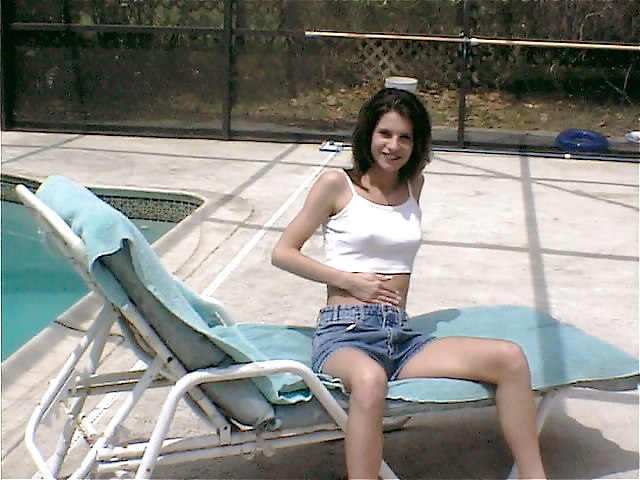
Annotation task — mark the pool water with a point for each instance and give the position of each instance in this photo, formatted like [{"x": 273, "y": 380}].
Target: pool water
[{"x": 37, "y": 285}]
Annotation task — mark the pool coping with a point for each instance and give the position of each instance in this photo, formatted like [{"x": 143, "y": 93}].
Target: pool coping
[{"x": 158, "y": 205}]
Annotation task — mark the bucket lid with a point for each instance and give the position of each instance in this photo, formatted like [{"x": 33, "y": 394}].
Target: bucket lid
[{"x": 409, "y": 84}]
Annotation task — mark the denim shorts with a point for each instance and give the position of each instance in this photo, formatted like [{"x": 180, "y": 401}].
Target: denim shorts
[{"x": 381, "y": 331}]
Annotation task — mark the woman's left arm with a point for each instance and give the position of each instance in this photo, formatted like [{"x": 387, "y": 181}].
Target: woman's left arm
[{"x": 417, "y": 183}]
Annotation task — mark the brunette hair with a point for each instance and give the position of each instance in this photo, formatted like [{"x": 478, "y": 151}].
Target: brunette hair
[{"x": 409, "y": 106}]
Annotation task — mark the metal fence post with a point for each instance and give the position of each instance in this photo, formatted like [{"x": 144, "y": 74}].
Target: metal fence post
[
  {"x": 463, "y": 72},
  {"x": 7, "y": 64},
  {"x": 227, "y": 39}
]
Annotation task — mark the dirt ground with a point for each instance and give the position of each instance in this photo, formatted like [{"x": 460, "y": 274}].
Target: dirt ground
[{"x": 484, "y": 109}]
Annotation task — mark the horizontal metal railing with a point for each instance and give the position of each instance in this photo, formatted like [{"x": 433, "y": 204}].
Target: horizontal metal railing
[{"x": 473, "y": 40}]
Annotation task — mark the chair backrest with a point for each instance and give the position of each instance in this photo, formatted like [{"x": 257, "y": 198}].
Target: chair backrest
[
  {"x": 78, "y": 222},
  {"x": 240, "y": 399}
]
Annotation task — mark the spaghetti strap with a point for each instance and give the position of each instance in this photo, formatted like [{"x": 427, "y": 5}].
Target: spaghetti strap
[
  {"x": 410, "y": 190},
  {"x": 350, "y": 183}
]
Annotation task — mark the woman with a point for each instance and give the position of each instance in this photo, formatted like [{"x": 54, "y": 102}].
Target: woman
[{"x": 370, "y": 219}]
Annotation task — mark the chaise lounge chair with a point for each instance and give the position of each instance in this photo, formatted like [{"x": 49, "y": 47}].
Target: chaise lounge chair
[{"x": 250, "y": 383}]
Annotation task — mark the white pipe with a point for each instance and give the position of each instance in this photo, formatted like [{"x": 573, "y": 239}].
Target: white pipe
[{"x": 475, "y": 40}]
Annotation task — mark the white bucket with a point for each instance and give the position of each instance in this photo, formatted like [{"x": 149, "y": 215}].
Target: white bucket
[{"x": 409, "y": 84}]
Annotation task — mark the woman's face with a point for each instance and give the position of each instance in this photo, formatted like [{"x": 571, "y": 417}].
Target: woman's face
[{"x": 392, "y": 142}]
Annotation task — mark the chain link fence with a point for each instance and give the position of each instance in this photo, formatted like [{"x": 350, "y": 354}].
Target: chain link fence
[{"x": 245, "y": 69}]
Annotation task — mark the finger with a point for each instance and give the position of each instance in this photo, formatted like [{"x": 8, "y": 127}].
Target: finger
[
  {"x": 391, "y": 298},
  {"x": 388, "y": 290},
  {"x": 389, "y": 301}
]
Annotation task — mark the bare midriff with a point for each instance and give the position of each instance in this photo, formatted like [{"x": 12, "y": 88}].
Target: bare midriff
[{"x": 398, "y": 282}]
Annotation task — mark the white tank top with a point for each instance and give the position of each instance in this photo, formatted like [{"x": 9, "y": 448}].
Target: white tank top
[{"x": 368, "y": 237}]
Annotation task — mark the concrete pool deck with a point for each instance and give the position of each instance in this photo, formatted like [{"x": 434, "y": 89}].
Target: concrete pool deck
[{"x": 554, "y": 234}]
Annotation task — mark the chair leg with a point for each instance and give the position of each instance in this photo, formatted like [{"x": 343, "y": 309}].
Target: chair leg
[
  {"x": 105, "y": 318},
  {"x": 116, "y": 421},
  {"x": 55, "y": 392},
  {"x": 386, "y": 473}
]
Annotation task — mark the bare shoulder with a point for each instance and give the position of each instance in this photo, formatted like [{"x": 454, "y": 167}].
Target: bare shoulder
[
  {"x": 332, "y": 181},
  {"x": 330, "y": 193}
]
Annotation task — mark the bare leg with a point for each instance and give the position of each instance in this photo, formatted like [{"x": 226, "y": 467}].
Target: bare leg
[
  {"x": 498, "y": 362},
  {"x": 366, "y": 382}
]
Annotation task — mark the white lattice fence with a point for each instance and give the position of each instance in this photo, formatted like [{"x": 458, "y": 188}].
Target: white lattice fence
[{"x": 382, "y": 58}]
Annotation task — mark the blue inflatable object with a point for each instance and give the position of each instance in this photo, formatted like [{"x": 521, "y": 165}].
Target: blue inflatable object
[{"x": 577, "y": 140}]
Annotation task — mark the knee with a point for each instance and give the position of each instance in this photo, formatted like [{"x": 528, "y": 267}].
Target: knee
[
  {"x": 513, "y": 360},
  {"x": 369, "y": 389}
]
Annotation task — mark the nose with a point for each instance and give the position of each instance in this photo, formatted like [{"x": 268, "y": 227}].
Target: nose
[{"x": 393, "y": 143}]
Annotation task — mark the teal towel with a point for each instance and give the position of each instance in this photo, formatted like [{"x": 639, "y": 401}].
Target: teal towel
[
  {"x": 254, "y": 342},
  {"x": 104, "y": 231},
  {"x": 559, "y": 354}
]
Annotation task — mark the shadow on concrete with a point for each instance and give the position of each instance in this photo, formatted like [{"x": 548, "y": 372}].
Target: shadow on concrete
[{"x": 448, "y": 445}]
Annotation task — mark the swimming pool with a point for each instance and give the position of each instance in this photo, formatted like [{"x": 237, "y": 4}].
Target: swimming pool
[{"x": 38, "y": 284}]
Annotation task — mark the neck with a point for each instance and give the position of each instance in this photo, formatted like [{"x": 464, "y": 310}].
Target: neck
[{"x": 382, "y": 181}]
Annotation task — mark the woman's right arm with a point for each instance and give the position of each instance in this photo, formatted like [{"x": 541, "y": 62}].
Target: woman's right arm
[{"x": 319, "y": 205}]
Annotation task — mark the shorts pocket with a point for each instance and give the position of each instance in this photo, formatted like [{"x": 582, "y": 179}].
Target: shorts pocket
[{"x": 328, "y": 322}]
